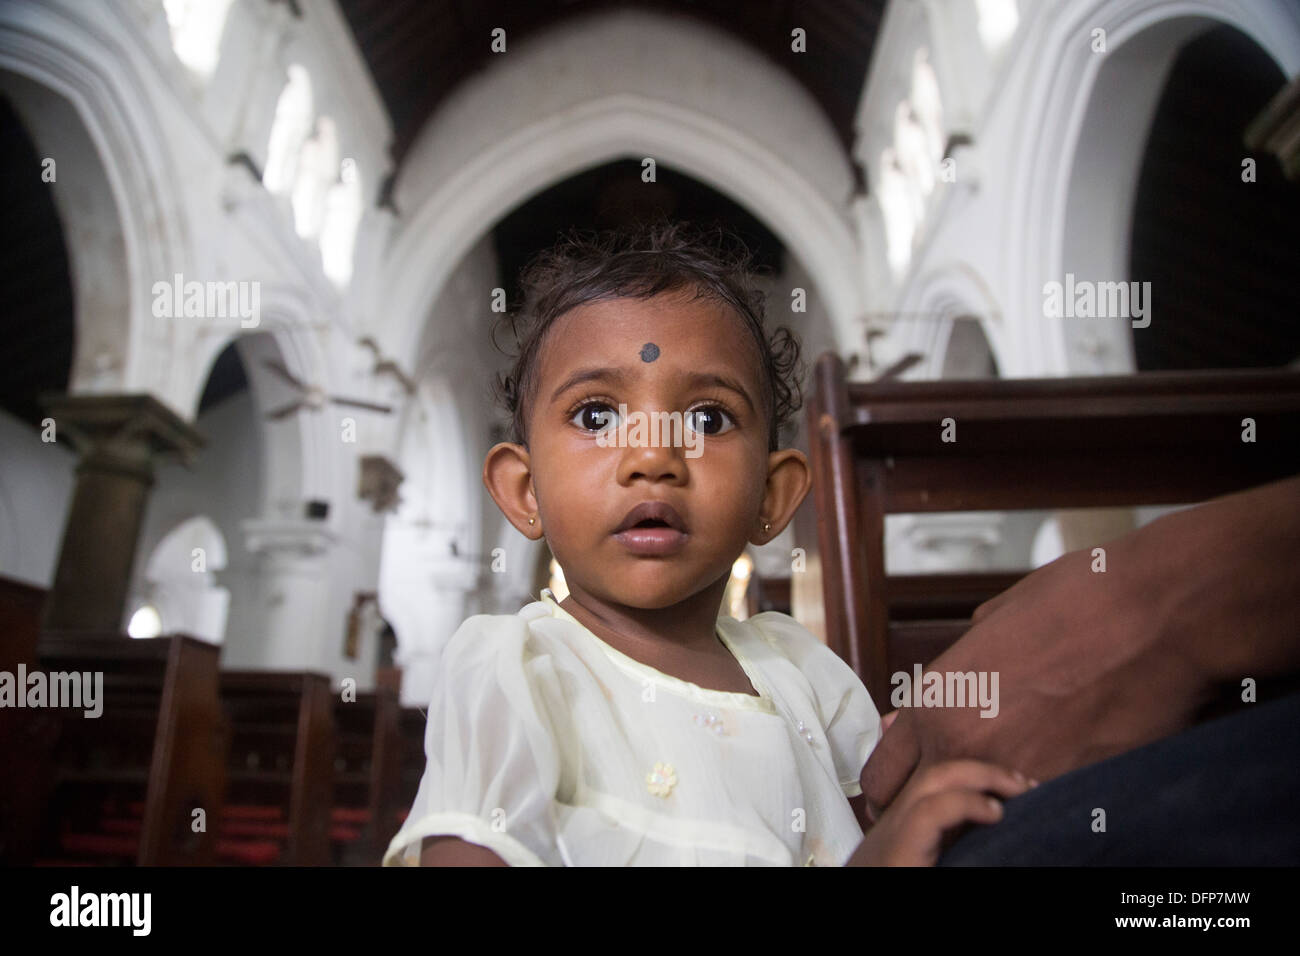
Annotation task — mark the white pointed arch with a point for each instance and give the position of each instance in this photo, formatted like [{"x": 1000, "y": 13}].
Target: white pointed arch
[
  {"x": 179, "y": 580},
  {"x": 1078, "y": 153},
  {"x": 685, "y": 95},
  {"x": 931, "y": 306},
  {"x": 88, "y": 106},
  {"x": 301, "y": 460}
]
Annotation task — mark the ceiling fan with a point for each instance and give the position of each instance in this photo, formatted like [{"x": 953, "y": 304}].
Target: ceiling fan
[
  {"x": 898, "y": 368},
  {"x": 387, "y": 365},
  {"x": 895, "y": 369},
  {"x": 313, "y": 396}
]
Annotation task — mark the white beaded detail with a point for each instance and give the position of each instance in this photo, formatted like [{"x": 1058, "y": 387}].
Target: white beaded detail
[
  {"x": 806, "y": 733},
  {"x": 711, "y": 722}
]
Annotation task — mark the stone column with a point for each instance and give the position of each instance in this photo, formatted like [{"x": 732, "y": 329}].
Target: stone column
[
  {"x": 120, "y": 438},
  {"x": 447, "y": 584},
  {"x": 294, "y": 590}
]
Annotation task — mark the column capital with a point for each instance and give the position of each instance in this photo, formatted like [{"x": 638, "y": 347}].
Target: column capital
[
  {"x": 120, "y": 438},
  {"x": 127, "y": 431},
  {"x": 287, "y": 536}
]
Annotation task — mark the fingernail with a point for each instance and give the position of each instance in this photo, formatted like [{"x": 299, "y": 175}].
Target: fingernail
[
  {"x": 995, "y": 805},
  {"x": 1033, "y": 783},
  {"x": 1018, "y": 775}
]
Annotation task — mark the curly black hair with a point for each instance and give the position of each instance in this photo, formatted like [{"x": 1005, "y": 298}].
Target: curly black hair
[{"x": 641, "y": 261}]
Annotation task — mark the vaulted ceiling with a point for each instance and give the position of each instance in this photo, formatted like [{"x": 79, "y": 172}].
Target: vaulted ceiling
[{"x": 418, "y": 50}]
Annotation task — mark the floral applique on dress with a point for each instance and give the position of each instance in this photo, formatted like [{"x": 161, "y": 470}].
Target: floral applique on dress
[{"x": 661, "y": 780}]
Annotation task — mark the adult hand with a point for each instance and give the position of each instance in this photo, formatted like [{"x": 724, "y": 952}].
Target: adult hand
[
  {"x": 1094, "y": 663},
  {"x": 1083, "y": 674}
]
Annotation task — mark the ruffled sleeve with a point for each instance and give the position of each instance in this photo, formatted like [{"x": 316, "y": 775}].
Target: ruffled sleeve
[
  {"x": 848, "y": 715},
  {"x": 492, "y": 766}
]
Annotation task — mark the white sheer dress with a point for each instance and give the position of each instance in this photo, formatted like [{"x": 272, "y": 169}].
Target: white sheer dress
[{"x": 550, "y": 747}]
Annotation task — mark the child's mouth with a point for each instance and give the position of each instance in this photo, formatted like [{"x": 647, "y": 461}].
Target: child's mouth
[
  {"x": 652, "y": 529},
  {"x": 652, "y": 540}
]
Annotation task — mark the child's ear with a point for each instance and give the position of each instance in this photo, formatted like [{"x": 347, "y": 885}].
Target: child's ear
[
  {"x": 788, "y": 480},
  {"x": 508, "y": 477}
]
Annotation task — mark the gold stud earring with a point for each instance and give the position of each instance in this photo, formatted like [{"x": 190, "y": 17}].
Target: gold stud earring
[
  {"x": 532, "y": 521},
  {"x": 766, "y": 526}
]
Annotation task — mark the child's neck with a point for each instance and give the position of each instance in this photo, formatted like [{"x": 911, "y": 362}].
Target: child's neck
[{"x": 688, "y": 625}]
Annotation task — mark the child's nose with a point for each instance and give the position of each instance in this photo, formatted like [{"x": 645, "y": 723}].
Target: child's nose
[{"x": 653, "y": 463}]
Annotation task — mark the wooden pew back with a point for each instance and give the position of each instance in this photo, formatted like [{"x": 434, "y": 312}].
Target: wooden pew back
[
  {"x": 25, "y": 735},
  {"x": 159, "y": 745},
  {"x": 282, "y": 755},
  {"x": 1145, "y": 439},
  {"x": 368, "y": 771}
]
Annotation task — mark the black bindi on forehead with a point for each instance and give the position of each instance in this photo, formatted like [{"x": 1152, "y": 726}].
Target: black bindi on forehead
[{"x": 649, "y": 352}]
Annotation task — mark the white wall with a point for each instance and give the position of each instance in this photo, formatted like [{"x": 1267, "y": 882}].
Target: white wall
[{"x": 225, "y": 485}]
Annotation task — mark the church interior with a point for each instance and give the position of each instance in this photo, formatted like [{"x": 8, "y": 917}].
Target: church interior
[{"x": 254, "y": 251}]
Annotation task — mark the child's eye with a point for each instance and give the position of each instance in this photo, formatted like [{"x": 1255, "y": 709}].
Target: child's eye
[
  {"x": 709, "y": 420},
  {"x": 595, "y": 416}
]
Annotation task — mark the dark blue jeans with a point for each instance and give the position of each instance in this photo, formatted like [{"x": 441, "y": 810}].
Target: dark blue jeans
[{"x": 1223, "y": 793}]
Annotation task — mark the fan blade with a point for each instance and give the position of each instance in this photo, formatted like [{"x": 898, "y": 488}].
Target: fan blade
[
  {"x": 278, "y": 368},
  {"x": 901, "y": 366},
  {"x": 284, "y": 412},
  {"x": 357, "y": 403},
  {"x": 391, "y": 367}
]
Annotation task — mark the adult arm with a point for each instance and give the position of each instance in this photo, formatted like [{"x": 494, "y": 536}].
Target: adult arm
[{"x": 1092, "y": 664}]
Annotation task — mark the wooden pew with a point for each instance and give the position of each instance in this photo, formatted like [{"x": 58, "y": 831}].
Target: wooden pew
[
  {"x": 25, "y": 735},
  {"x": 1145, "y": 439},
  {"x": 413, "y": 722},
  {"x": 154, "y": 757},
  {"x": 280, "y": 768},
  {"x": 367, "y": 779},
  {"x": 21, "y": 605}
]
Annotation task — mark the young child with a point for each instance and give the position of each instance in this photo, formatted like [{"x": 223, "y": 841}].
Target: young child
[{"x": 632, "y": 723}]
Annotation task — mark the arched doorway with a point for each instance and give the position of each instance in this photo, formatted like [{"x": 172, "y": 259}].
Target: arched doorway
[
  {"x": 179, "y": 586},
  {"x": 37, "y": 335},
  {"x": 1213, "y": 226},
  {"x": 1097, "y": 74}
]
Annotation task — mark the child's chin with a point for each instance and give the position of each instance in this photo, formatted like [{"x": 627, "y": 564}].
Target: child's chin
[{"x": 654, "y": 595}]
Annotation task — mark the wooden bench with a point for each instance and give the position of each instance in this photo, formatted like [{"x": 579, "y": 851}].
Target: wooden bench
[
  {"x": 878, "y": 449},
  {"x": 367, "y": 777},
  {"x": 412, "y": 722},
  {"x": 25, "y": 740},
  {"x": 154, "y": 757},
  {"x": 280, "y": 768}
]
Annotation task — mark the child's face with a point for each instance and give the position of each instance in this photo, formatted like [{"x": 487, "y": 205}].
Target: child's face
[{"x": 582, "y": 475}]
